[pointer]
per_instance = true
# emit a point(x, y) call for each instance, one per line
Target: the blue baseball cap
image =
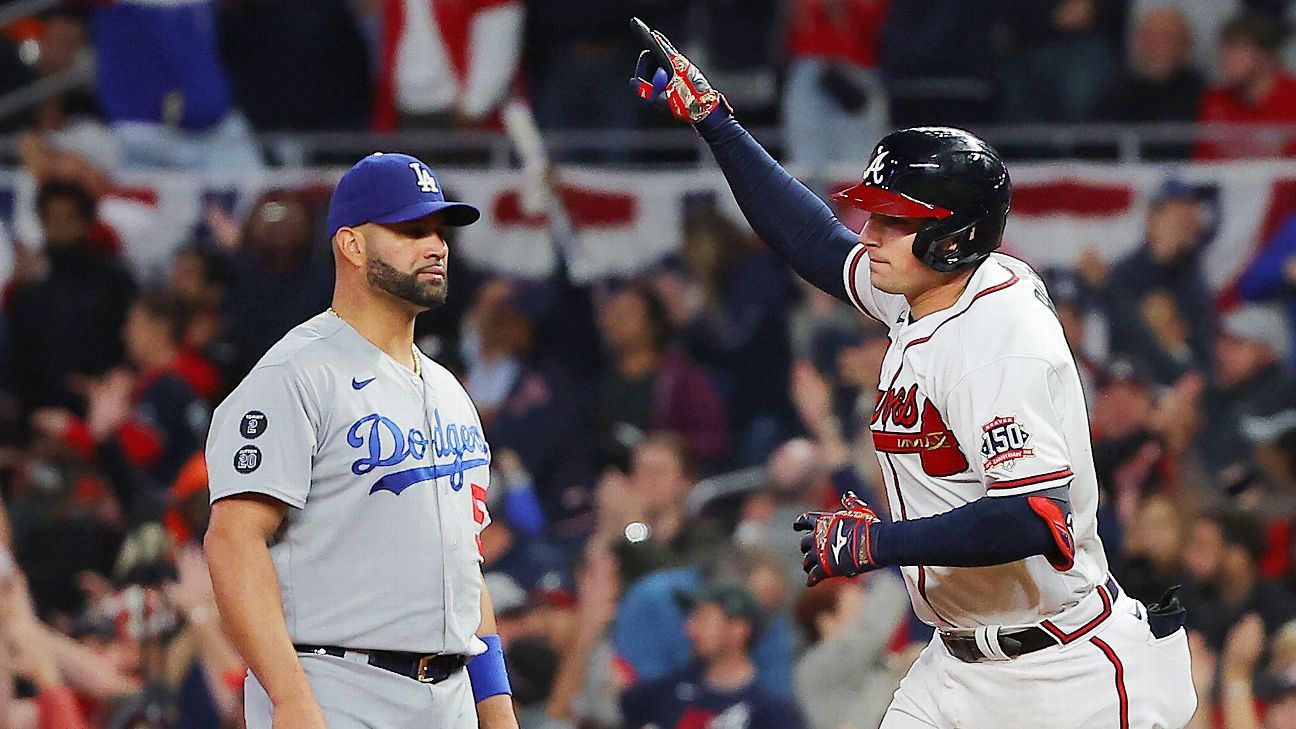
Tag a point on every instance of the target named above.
point(389, 188)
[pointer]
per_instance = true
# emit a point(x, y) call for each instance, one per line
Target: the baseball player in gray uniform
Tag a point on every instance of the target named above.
point(348, 484)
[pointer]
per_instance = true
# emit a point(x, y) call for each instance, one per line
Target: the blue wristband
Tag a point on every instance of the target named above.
point(486, 672)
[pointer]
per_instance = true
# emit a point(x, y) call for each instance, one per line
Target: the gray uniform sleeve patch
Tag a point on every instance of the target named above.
point(261, 439)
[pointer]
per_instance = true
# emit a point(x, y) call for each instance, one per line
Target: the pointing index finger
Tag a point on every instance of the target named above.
point(650, 41)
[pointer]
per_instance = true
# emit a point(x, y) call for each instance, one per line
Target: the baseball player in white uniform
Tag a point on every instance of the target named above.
point(981, 431)
point(348, 476)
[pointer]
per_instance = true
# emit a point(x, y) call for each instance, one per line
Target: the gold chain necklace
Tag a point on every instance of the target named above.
point(418, 366)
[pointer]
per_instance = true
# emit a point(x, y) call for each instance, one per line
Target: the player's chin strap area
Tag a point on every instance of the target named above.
point(991, 643)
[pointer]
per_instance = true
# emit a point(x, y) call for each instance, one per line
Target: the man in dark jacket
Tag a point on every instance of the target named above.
point(1156, 300)
point(720, 688)
point(1158, 83)
point(1251, 380)
point(67, 323)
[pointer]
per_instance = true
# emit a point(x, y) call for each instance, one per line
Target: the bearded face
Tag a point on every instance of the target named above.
point(410, 261)
point(425, 287)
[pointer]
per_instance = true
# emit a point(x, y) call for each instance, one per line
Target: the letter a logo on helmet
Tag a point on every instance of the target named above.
point(876, 166)
point(950, 178)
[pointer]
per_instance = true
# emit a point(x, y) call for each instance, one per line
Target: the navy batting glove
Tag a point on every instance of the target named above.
point(839, 543)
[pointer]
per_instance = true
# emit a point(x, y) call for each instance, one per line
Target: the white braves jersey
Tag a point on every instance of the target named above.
point(983, 399)
point(387, 473)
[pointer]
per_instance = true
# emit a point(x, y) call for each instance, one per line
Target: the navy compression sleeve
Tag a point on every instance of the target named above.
point(792, 221)
point(985, 532)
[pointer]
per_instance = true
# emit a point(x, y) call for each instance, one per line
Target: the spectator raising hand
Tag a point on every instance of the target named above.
point(812, 396)
point(1238, 661)
point(1204, 664)
point(192, 595)
point(33, 655)
point(1242, 648)
point(587, 673)
point(109, 401)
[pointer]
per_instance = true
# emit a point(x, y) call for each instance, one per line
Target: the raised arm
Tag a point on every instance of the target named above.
point(791, 220)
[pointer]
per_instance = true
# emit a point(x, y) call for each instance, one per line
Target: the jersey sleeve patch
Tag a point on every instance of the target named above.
point(262, 440)
point(1010, 406)
point(1004, 442)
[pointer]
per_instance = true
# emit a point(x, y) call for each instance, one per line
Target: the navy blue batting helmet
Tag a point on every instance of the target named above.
point(948, 176)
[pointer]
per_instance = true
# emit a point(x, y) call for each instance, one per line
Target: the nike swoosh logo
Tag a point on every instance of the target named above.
point(840, 540)
point(360, 384)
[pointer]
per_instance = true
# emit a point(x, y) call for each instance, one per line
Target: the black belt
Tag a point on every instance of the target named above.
point(1017, 643)
point(433, 668)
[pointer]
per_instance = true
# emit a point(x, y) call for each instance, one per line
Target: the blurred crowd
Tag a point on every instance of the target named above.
point(652, 438)
point(186, 84)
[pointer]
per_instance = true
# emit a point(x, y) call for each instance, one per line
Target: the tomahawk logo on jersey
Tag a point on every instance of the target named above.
point(898, 428)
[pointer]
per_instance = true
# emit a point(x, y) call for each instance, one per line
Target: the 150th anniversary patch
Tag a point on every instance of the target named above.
point(1004, 442)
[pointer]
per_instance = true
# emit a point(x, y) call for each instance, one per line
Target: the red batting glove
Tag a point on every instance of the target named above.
point(839, 543)
point(664, 73)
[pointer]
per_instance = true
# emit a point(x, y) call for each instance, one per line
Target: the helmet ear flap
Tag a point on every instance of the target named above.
point(940, 255)
point(949, 244)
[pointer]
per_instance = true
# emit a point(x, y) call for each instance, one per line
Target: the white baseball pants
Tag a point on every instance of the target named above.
point(1117, 677)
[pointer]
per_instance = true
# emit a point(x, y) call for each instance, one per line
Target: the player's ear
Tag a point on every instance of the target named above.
point(350, 245)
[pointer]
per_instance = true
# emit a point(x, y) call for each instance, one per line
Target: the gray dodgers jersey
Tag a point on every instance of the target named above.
point(387, 473)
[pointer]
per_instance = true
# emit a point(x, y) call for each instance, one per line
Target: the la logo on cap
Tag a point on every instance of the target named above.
point(423, 177)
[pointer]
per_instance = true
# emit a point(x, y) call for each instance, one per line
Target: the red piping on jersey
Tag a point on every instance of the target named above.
point(1065, 637)
point(922, 576)
point(979, 294)
point(851, 289)
point(1030, 480)
point(922, 572)
point(1120, 679)
point(899, 497)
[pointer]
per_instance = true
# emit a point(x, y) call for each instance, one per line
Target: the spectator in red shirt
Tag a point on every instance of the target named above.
point(141, 427)
point(1254, 89)
point(834, 91)
point(199, 280)
point(446, 62)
